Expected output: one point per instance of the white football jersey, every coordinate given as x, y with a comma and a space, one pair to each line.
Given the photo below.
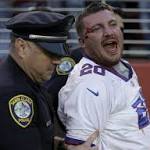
96, 97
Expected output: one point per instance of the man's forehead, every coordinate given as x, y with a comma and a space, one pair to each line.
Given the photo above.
99, 17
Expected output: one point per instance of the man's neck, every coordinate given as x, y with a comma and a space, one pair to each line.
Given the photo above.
122, 69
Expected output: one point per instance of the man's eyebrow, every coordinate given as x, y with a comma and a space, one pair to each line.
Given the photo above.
89, 29
97, 24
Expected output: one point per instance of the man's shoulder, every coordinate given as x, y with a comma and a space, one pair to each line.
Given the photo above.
86, 68
86, 73
11, 85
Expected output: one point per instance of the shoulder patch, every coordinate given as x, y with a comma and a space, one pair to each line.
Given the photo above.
65, 66
21, 110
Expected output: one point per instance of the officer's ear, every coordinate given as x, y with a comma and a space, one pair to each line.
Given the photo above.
21, 46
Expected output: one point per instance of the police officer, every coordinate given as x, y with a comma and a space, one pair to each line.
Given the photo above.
38, 41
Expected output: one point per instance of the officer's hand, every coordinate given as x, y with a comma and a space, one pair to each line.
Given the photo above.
86, 145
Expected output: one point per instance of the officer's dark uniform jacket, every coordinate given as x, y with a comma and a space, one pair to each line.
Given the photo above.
25, 116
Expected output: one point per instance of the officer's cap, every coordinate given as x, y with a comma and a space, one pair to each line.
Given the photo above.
48, 29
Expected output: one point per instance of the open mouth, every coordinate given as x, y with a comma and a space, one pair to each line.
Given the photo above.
110, 45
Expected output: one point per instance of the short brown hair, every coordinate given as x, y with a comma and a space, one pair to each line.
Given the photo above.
90, 9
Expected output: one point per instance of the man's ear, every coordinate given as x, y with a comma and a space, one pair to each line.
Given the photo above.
20, 45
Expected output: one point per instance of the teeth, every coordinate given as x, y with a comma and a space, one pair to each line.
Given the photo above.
109, 43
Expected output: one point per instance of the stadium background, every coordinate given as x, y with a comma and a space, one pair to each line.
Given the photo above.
137, 30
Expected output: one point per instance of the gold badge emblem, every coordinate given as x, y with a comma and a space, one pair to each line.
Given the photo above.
65, 66
21, 110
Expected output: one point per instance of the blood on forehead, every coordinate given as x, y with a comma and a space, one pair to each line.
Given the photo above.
87, 31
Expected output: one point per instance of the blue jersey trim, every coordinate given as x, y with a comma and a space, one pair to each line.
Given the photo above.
72, 141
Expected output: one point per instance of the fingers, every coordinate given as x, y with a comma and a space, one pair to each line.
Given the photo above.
91, 138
